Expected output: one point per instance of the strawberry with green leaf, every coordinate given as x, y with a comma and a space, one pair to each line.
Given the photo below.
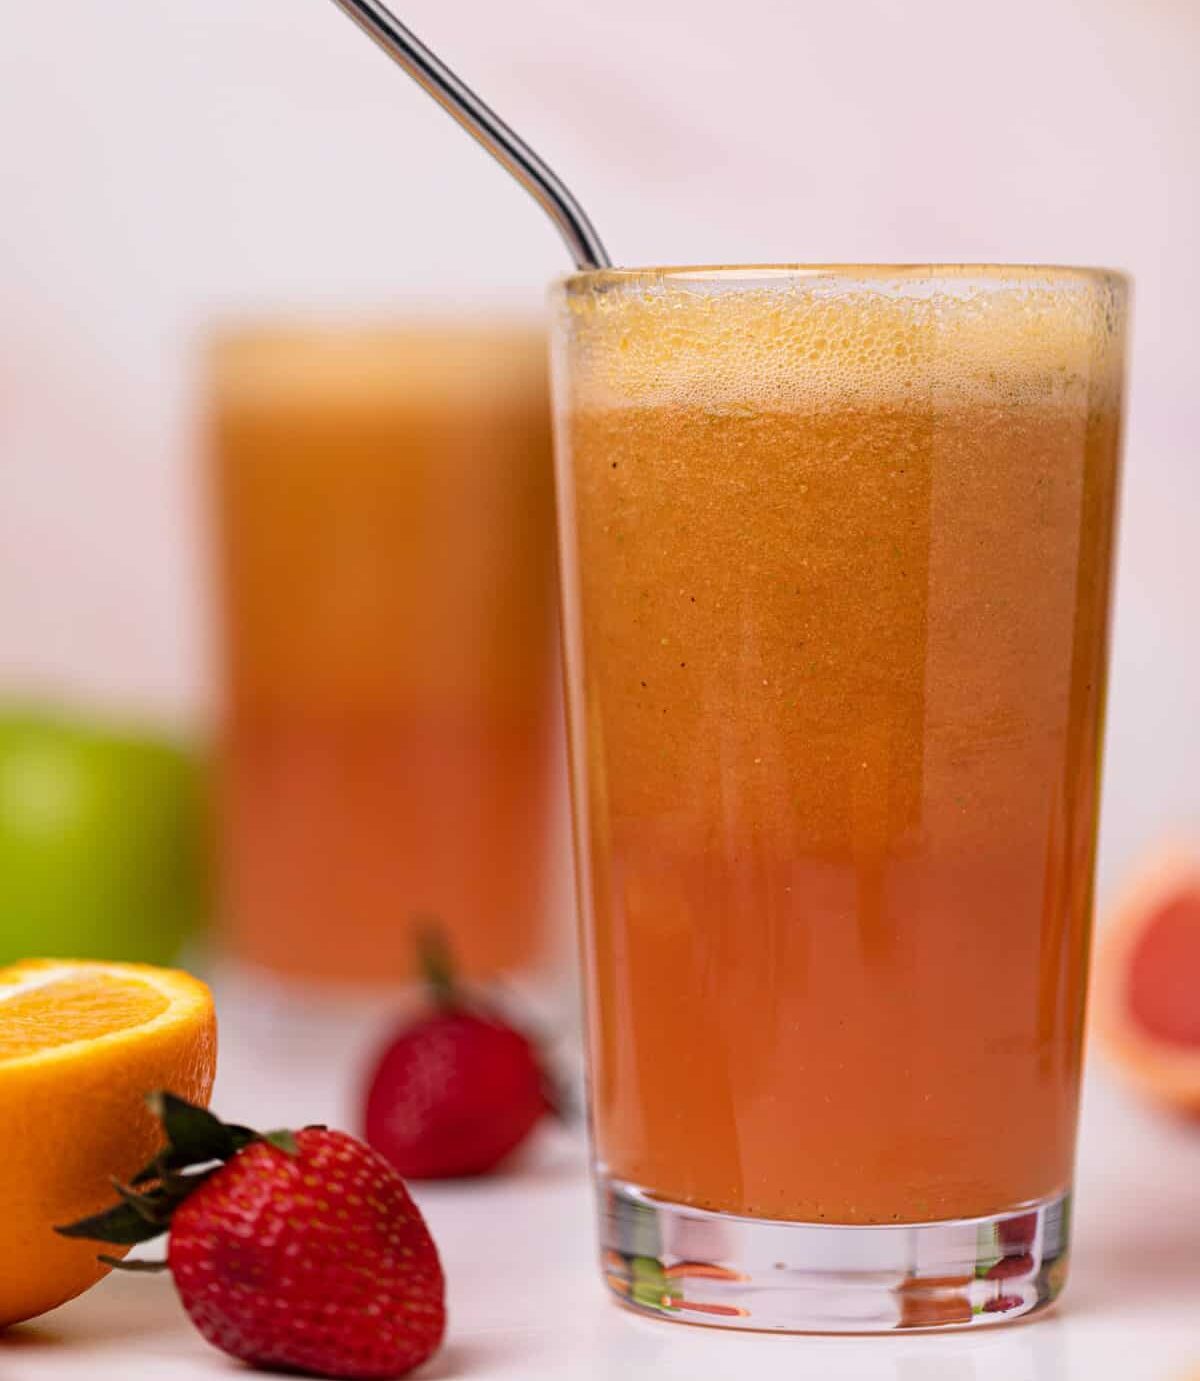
295, 1250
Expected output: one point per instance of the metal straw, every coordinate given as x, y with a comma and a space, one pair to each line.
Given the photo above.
507, 147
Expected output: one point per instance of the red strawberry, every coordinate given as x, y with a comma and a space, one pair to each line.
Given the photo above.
457, 1091
1018, 1232
302, 1252
1009, 1266
1001, 1304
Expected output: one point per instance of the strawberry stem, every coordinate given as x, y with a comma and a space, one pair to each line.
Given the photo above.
436, 962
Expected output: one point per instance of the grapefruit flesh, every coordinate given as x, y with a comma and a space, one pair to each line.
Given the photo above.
1164, 973
1146, 991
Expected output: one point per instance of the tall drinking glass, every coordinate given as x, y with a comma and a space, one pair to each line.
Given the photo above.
385, 541
836, 556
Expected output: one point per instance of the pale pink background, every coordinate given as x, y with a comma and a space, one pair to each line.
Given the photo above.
163, 161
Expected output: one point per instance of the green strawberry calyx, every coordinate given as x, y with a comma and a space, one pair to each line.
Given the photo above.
198, 1145
435, 958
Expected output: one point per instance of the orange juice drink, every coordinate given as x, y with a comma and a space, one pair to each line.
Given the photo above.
836, 552
384, 512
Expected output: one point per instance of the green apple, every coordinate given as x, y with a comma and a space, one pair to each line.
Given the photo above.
102, 840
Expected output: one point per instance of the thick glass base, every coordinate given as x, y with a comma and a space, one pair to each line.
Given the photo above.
676, 1262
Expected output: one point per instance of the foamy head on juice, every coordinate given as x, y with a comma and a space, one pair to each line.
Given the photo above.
828, 338
319, 366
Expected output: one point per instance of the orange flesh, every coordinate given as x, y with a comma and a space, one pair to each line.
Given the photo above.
73, 1009
385, 515
1164, 973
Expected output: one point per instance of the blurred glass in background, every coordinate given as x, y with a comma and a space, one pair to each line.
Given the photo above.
383, 519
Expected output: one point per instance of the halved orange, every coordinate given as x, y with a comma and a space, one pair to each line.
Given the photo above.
81, 1044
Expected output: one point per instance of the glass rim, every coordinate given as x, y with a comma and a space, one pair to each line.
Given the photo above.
863, 274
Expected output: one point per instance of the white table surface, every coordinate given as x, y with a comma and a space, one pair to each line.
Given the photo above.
526, 1303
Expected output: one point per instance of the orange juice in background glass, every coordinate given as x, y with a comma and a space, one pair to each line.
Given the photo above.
384, 516
836, 554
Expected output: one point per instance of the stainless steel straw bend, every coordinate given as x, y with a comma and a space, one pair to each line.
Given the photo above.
507, 147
